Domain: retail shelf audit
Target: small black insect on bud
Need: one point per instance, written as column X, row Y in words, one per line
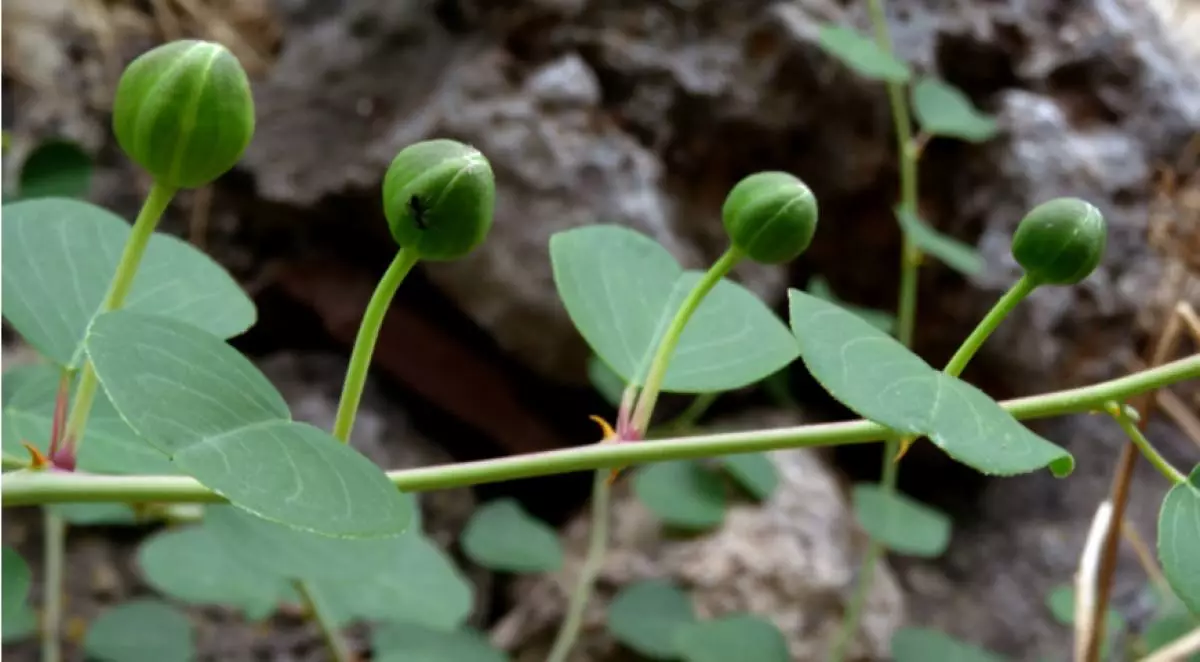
column 418, row 211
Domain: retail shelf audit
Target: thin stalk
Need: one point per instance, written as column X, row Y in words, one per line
column 1130, row 426
column 568, row 633
column 1003, row 307
column 364, row 344
column 662, row 356
column 337, row 646
column 131, row 258
column 906, row 315
column 54, row 538
column 690, row 416
column 37, row 487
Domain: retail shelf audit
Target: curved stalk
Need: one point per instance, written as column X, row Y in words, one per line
column 592, row 564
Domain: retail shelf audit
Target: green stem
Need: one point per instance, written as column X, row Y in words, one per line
column 666, row 347
column 21, row 488
column 568, row 633
column 337, row 646
column 689, row 417
column 364, row 344
column 131, row 258
column 858, row 601
column 1130, row 426
column 1003, row 307
column 54, row 537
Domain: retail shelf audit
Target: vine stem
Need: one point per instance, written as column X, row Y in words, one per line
column 364, row 343
column 54, row 535
column 333, row 639
column 593, row 562
column 662, row 355
column 152, row 210
column 1130, row 425
column 38, row 487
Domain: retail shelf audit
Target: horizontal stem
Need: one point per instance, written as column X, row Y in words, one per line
column 26, row 488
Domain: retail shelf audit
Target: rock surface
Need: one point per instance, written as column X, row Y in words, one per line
column 791, row 559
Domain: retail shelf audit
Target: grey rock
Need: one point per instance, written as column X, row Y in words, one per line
column 791, row 559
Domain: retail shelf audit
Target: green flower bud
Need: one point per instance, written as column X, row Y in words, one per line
column 438, row 197
column 183, row 111
column 770, row 216
column 1061, row 241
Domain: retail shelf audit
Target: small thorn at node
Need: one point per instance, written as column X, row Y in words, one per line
column 38, row 461
column 609, row 433
column 905, row 444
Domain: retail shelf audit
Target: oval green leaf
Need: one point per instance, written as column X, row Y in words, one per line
column 198, row 400
column 647, row 617
column 943, row 110
column 1179, row 540
column 961, row 257
column 862, row 54
column 621, row 290
column 925, row 645
column 142, row 630
column 501, row 536
column 683, row 493
column 607, row 383
column 879, row 379
column 17, row 619
column 740, row 637
column 56, row 168
column 59, row 256
column 754, row 472
column 406, row 642
column 904, row 525
column 819, row 287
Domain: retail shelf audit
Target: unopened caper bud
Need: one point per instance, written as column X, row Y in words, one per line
column 1060, row 242
column 183, row 111
column 770, row 216
column 438, row 197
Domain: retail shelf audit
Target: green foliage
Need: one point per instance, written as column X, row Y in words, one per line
column 950, row 251
column 770, row 216
column 141, row 630
column 1179, row 540
column 902, row 524
column 405, row 642
column 1061, row 602
column 862, row 54
column 95, row 514
column 606, row 382
column 500, row 535
column 923, row 645
column 198, row 400
column 647, row 617
column 56, row 169
column 819, row 287
column 754, row 472
column 741, row 637
column 621, row 289
column 944, row 110
column 59, row 256
column 19, row 619
column 879, row 379
column 684, row 494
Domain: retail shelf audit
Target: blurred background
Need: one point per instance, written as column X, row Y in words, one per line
column 645, row 113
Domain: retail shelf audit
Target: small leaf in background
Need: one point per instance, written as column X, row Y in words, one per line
column 56, row 168
column 1179, row 540
column 683, row 493
column 621, row 289
column 647, row 617
column 1167, row 628
column 59, row 256
column 904, row 525
column 95, row 514
column 754, row 472
column 819, row 287
column 606, row 382
column 196, row 398
column 142, row 630
column 943, row 110
column 190, row 564
column 881, row 380
column 862, row 54
column 501, row 536
column 925, row 645
column 951, row 252
column 1061, row 602
column 741, row 637
column 111, row 445
column 405, row 642
column 18, row 619
column 13, row 380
